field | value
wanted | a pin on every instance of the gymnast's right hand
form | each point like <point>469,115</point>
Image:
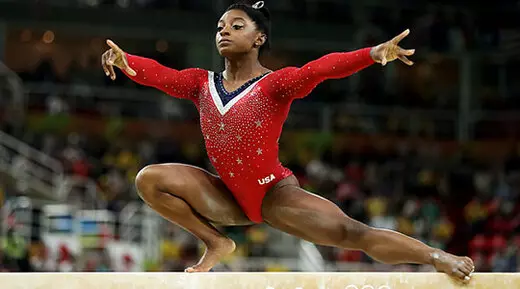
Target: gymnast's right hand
<point>115,56</point>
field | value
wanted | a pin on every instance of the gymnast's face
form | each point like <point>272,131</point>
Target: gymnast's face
<point>237,34</point>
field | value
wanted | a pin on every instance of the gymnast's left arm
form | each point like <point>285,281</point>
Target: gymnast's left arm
<point>292,82</point>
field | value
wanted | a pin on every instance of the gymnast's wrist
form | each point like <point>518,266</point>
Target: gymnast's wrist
<point>372,53</point>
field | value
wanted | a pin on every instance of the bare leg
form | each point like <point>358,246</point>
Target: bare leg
<point>293,210</point>
<point>193,199</point>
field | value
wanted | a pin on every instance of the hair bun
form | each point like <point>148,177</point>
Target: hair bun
<point>258,5</point>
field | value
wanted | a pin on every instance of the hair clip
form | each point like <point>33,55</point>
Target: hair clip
<point>258,5</point>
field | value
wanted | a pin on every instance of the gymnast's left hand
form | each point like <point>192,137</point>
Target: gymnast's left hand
<point>390,51</point>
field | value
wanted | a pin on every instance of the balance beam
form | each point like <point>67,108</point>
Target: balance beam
<point>252,281</point>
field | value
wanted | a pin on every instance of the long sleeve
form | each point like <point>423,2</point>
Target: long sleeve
<point>292,82</point>
<point>178,83</point>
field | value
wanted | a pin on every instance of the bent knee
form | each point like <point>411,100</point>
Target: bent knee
<point>146,176</point>
<point>153,179</point>
<point>146,180</point>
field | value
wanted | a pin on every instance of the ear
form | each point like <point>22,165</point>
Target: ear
<point>260,40</point>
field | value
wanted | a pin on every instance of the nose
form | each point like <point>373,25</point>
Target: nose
<point>224,31</point>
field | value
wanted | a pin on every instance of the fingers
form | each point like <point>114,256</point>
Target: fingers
<point>118,52</point>
<point>127,68</point>
<point>112,57</point>
<point>115,51</point>
<point>392,51</point>
<point>130,71</point>
<point>112,72</point>
<point>405,60</point>
<point>107,62</point>
<point>104,63</point>
<point>402,53</point>
<point>401,36</point>
<point>384,60</point>
<point>114,46</point>
<point>110,62</point>
<point>407,52</point>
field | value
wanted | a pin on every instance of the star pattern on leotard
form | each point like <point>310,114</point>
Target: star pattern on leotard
<point>242,138</point>
<point>241,132</point>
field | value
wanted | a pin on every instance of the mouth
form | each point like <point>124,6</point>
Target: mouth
<point>222,41</point>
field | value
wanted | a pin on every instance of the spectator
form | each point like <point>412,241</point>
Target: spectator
<point>15,253</point>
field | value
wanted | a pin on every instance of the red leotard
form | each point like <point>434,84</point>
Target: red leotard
<point>242,135</point>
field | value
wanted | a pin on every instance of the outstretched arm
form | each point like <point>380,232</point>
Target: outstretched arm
<point>179,83</point>
<point>293,82</point>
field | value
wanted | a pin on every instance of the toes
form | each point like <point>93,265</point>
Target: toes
<point>464,268</point>
<point>460,275</point>
<point>469,267</point>
<point>465,278</point>
<point>192,270</point>
<point>464,273</point>
<point>195,270</point>
<point>468,261</point>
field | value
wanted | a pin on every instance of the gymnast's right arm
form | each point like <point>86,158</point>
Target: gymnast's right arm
<point>178,83</point>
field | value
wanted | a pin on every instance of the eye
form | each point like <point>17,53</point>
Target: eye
<point>220,28</point>
<point>237,27</point>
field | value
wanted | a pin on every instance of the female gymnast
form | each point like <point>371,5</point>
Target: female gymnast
<point>242,111</point>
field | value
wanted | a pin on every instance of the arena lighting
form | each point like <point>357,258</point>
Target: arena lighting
<point>48,37</point>
<point>356,280</point>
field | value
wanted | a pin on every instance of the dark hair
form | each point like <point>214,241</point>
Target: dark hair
<point>261,16</point>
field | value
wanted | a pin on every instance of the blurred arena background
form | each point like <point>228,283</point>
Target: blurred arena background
<point>431,151</point>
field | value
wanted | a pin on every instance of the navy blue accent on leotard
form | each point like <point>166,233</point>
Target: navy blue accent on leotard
<point>226,96</point>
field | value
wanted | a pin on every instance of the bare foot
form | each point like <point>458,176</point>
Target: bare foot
<point>214,253</point>
<point>458,267</point>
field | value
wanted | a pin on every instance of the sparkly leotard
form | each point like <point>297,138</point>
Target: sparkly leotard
<point>241,129</point>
